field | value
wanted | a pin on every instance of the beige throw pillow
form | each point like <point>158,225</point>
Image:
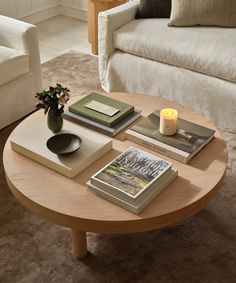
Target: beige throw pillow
<point>203,12</point>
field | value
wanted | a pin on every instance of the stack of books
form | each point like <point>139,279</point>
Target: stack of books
<point>189,139</point>
<point>133,179</point>
<point>102,113</point>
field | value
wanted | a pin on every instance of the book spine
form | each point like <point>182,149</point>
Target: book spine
<point>126,205</point>
<point>103,186</point>
<point>114,200</point>
<point>116,193</point>
<point>125,114</point>
<point>155,148</point>
<point>102,121</point>
<point>88,125</point>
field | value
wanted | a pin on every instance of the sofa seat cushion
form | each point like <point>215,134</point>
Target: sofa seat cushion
<point>207,50</point>
<point>13,63</point>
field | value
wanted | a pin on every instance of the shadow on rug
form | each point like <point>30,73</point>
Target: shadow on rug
<point>200,249</point>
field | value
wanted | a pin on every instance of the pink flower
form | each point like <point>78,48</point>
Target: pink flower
<point>64,97</point>
<point>53,98</point>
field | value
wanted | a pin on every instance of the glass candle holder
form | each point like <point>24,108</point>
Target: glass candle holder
<point>168,121</point>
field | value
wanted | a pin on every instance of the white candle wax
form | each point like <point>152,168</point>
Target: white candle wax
<point>168,121</point>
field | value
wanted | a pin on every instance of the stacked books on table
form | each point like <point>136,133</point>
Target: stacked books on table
<point>189,139</point>
<point>102,113</point>
<point>133,179</point>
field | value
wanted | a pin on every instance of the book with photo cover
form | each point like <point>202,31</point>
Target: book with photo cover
<point>102,109</point>
<point>110,131</point>
<point>139,205</point>
<point>189,139</point>
<point>130,175</point>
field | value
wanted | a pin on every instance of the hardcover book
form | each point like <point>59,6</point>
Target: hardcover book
<point>110,131</point>
<point>102,109</point>
<point>131,174</point>
<point>139,205</point>
<point>31,142</point>
<point>189,139</point>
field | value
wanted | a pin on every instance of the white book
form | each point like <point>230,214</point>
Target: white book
<point>131,174</point>
<point>133,200</point>
<point>143,202</point>
<point>31,142</point>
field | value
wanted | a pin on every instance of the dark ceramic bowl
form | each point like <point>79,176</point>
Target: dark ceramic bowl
<point>64,144</point>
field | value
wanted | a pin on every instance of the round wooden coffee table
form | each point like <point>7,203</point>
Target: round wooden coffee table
<point>67,202</point>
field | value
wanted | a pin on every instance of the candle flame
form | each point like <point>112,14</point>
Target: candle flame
<point>169,113</point>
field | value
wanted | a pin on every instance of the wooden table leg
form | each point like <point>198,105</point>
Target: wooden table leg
<point>79,243</point>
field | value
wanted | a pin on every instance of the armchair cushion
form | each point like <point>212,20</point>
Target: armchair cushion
<point>13,64</point>
<point>154,9</point>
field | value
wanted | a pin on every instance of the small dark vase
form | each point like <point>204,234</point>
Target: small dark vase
<point>55,120</point>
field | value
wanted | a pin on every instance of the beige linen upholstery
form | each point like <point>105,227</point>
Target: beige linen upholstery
<point>17,91</point>
<point>13,63</point>
<point>203,12</point>
<point>109,21</point>
<point>200,49</point>
<point>213,97</point>
<point>161,65</point>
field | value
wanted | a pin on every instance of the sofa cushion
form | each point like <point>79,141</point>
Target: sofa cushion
<point>202,12</point>
<point>153,9</point>
<point>208,50</point>
<point>13,63</point>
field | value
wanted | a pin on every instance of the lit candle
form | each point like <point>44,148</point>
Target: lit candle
<point>168,121</point>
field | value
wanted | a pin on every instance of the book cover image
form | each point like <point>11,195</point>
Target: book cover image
<point>133,171</point>
<point>188,137</point>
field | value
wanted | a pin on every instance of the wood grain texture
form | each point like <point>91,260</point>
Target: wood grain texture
<point>79,243</point>
<point>67,201</point>
<point>94,8</point>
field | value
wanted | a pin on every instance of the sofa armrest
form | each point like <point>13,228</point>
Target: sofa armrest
<point>108,22</point>
<point>22,36</point>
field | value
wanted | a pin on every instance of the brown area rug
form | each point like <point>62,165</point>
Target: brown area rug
<point>200,249</point>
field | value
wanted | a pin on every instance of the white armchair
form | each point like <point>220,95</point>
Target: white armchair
<point>20,69</point>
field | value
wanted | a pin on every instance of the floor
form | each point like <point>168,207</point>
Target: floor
<point>60,34</point>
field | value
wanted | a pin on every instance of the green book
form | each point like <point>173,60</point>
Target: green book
<point>102,109</point>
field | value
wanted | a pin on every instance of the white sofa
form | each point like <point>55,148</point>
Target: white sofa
<point>20,69</point>
<point>195,66</point>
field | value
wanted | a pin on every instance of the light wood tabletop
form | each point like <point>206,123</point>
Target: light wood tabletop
<point>67,202</point>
